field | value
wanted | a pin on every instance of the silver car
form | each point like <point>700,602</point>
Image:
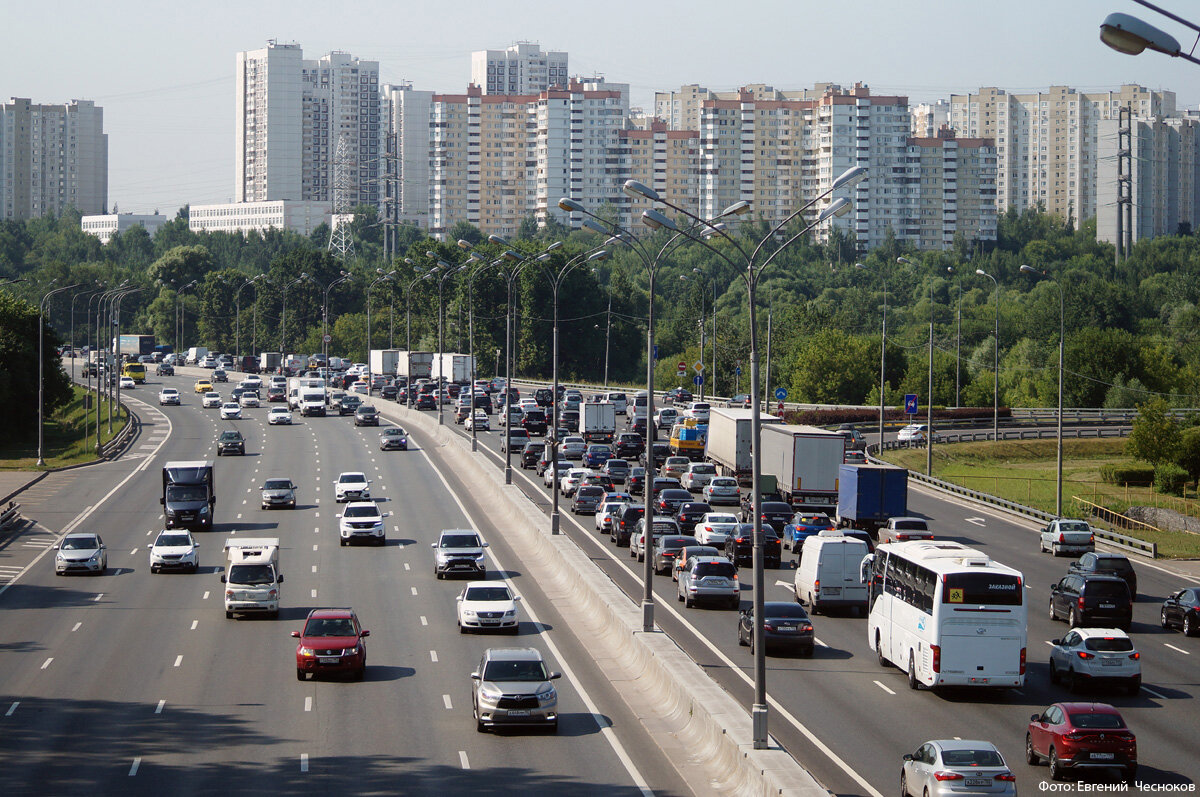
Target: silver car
<point>81,553</point>
<point>953,768</point>
<point>573,447</point>
<point>278,492</point>
<point>1096,656</point>
<point>512,687</point>
<point>712,578</point>
<point>722,490</point>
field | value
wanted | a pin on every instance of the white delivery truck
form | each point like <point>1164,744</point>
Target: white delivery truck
<point>805,462</point>
<point>195,355</point>
<point>384,361</point>
<point>312,401</point>
<point>728,443</point>
<point>829,573</point>
<point>599,421</point>
<point>252,576</point>
<point>454,368</point>
<point>415,365</point>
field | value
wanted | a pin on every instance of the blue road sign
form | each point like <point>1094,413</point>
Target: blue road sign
<point>781,393</point>
<point>737,371</point>
<point>698,380</point>
<point>910,403</point>
<point>655,351</point>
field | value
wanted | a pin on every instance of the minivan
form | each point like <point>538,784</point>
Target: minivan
<point>828,573</point>
<point>1092,601</point>
<point>619,402</point>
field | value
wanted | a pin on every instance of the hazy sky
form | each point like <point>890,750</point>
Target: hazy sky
<point>164,72</point>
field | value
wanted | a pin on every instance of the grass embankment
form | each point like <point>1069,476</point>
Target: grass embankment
<point>64,442</point>
<point>1024,471</point>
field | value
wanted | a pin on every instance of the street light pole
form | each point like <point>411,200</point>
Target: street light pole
<point>382,277</point>
<point>283,318</point>
<point>116,331</point>
<point>409,382</point>
<point>343,276</point>
<point>180,316</point>
<point>995,358</point>
<point>41,461</point>
<point>1062,315</point>
<point>72,333</point>
<point>929,402</point>
<point>237,309</point>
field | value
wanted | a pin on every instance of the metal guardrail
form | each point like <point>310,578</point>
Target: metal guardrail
<point>118,441</point>
<point>10,515</point>
<point>1006,434</point>
<point>1117,519</point>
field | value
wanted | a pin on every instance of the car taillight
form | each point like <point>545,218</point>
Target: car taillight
<point>1061,538</point>
<point>1022,661</point>
<point>1006,776</point>
<point>768,627</point>
<point>937,657</point>
<point>1079,603</point>
<point>1083,654</point>
<point>1092,539</point>
<point>817,585</point>
<point>803,626</point>
<point>1135,656</point>
<point>1074,736</point>
<point>740,540</point>
<point>944,775</point>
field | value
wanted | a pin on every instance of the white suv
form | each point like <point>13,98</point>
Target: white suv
<point>487,604</point>
<point>174,549</point>
<point>352,485</point>
<point>362,520</point>
<point>1096,656</point>
<point>698,475</point>
<point>168,395</point>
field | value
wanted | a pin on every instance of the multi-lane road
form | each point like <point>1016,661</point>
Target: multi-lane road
<point>136,683</point>
<point>849,720</point>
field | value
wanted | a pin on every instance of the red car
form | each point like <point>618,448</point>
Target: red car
<point>1072,737</point>
<point>331,642</point>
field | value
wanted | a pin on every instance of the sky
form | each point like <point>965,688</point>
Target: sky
<point>164,72</point>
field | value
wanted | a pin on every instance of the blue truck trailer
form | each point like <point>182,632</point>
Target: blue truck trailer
<point>870,494</point>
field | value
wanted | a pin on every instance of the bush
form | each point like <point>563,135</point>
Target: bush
<point>1126,473</point>
<point>1169,478</point>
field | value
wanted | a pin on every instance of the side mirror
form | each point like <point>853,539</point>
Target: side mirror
<point>908,757</point>
<point>338,516</point>
<point>162,501</point>
<point>458,597</point>
<point>433,545</point>
<point>1035,718</point>
<point>222,579</point>
<point>281,578</point>
<point>516,597</point>
<point>296,634</point>
<point>474,676</point>
<point>151,545</point>
<point>485,545</point>
<point>554,676</point>
<point>365,633</point>
<point>1055,641</point>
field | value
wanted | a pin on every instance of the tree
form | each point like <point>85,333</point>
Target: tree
<point>181,265</point>
<point>1154,437</point>
<point>833,368</point>
<point>1188,454</point>
<point>19,369</point>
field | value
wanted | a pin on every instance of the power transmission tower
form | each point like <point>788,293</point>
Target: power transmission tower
<point>341,244</point>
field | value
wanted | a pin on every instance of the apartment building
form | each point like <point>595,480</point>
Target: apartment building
<point>666,160</point>
<point>291,113</point>
<point>52,157</point>
<point>680,110</point>
<point>407,154</point>
<point>929,117</point>
<point>519,70</point>
<point>300,216</point>
<point>951,190</point>
<point>107,225</point>
<point>1164,177</point>
<point>1048,143</point>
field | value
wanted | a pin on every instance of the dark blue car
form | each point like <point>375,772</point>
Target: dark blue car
<point>596,456</point>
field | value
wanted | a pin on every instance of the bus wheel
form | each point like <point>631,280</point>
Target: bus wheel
<point>883,662</point>
<point>913,683</point>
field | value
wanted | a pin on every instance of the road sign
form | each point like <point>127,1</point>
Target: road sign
<point>910,403</point>
<point>328,338</point>
<point>698,380</point>
<point>698,367</point>
<point>780,409</point>
<point>656,351</point>
<point>781,393</point>
<point>682,365</point>
<point>737,371</point>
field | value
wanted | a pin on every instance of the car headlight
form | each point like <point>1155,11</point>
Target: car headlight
<point>546,693</point>
<point>94,556</point>
<point>511,613</point>
<point>490,693</point>
<point>350,651</point>
<point>306,652</point>
<point>470,613</point>
<point>204,510</point>
<point>479,557</point>
<point>60,557</point>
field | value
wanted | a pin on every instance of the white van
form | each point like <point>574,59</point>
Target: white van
<point>252,577</point>
<point>619,401</point>
<point>639,407</point>
<point>828,575</point>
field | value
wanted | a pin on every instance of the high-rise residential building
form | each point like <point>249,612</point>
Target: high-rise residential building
<point>667,161</point>
<point>407,153</point>
<point>105,226</point>
<point>1047,143</point>
<point>290,115</point>
<point>52,157</point>
<point>929,117</point>
<point>1164,174</point>
<point>951,190</point>
<point>521,69</point>
<point>681,109</point>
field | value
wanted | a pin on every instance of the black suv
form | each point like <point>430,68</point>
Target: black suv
<point>231,442</point>
<point>638,426</point>
<point>739,546</point>
<point>531,453</point>
<point>623,525</point>
<point>1092,601</point>
<point>777,513</point>
<point>426,401</point>
<point>570,420</point>
<point>162,369</point>
<point>365,415</point>
<point>349,404</point>
<point>544,396</point>
<point>629,445</point>
<point>534,422</point>
<point>636,483</point>
<point>1106,564</point>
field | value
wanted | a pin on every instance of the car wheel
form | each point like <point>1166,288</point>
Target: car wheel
<point>440,575</point>
<point>1056,769</point>
<point>300,674</point>
<point>1162,618</point>
<point>153,570</point>
<point>461,628</point>
<point>342,542</point>
<point>1073,618</point>
<point>679,596</point>
<point>688,602</point>
<point>1031,756</point>
<point>228,615</point>
<point>1189,626</point>
<point>1053,616</point>
<point>1135,685</point>
<point>1053,672</point>
<point>1074,681</point>
<point>903,783</point>
<point>883,662</point>
<point>812,604</point>
<point>913,683</point>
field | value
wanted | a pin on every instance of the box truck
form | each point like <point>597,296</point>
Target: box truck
<point>252,576</point>
<point>454,368</point>
<point>599,421</point>
<point>728,444</point>
<point>384,361</point>
<point>805,461</point>
<point>133,345</point>
<point>868,495</point>
<point>415,365</point>
<point>189,495</point>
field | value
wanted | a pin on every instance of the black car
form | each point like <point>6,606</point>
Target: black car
<point>534,422</point>
<point>426,401</point>
<point>1092,601</point>
<point>366,415</point>
<point>678,395</point>
<point>666,548</point>
<point>660,450</point>
<point>570,420</point>
<point>531,453</point>
<point>664,483</point>
<point>638,426</point>
<point>777,513</point>
<point>690,513</point>
<point>636,483</point>
<point>163,369</point>
<point>231,442</point>
<point>1182,609</point>
<point>1106,564</point>
<point>670,500</point>
<point>544,396</point>
<point>349,404</point>
<point>587,499</point>
<point>739,546</point>
<point>748,503</point>
<point>785,626</point>
<point>623,526</point>
<point>389,391</point>
<point>629,445</point>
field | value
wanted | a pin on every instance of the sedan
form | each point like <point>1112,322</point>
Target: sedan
<point>81,553</point>
<point>278,492</point>
<point>670,500</point>
<point>1182,610</point>
<point>690,513</point>
<point>362,521</point>
<point>331,642</point>
<point>174,549</point>
<point>675,467</point>
<point>1096,656</point>
<point>552,477</point>
<point>211,399</point>
<point>486,605</point>
<point>127,383</point>
<point>573,447</point>
<point>366,415</point>
<point>230,411</point>
<point>775,513</point>
<point>739,546</point>
<point>278,416</point>
<point>393,438</point>
<point>275,394</point>
<point>714,527</point>
<point>168,395</point>
<point>248,399</point>
<point>785,626</point>
<point>722,490</point>
<point>1075,736</point>
<point>666,548</point>
<point>947,767</point>
<point>596,455</point>
<point>478,422</point>
<point>571,481</point>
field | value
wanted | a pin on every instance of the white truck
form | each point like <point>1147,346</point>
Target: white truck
<point>195,355</point>
<point>269,362</point>
<point>297,385</point>
<point>312,401</point>
<point>805,462</point>
<point>454,368</point>
<point>252,577</point>
<point>384,361</point>
<point>728,443</point>
<point>599,422</point>
<point>415,365</point>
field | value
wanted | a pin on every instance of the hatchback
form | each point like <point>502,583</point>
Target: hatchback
<point>803,526</point>
<point>174,549</point>
<point>722,490</point>
<point>81,553</point>
<point>947,767</point>
<point>1076,736</point>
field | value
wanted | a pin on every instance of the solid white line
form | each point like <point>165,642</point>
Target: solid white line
<point>137,762</point>
<point>158,709</point>
<point>76,627</point>
<point>462,759</point>
<point>12,709</point>
<point>194,624</point>
<point>433,656</point>
<point>304,762</point>
<point>179,660</point>
<point>884,688</point>
<point>1150,691</point>
<point>46,663</point>
<point>446,700</point>
<point>424,621</point>
<point>308,703</point>
<point>1179,650</point>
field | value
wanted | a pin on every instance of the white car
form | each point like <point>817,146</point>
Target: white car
<point>168,395</point>
<point>252,382</point>
<point>715,527</point>
<point>569,483</point>
<point>528,404</point>
<point>913,433</point>
<point>279,415</point>
<point>1097,656</point>
<point>352,485</point>
<point>248,400</point>
<point>230,411</point>
<point>211,400</point>
<point>609,505</point>
<point>722,490</point>
<point>362,520</point>
<point>550,478</point>
<point>698,475</point>
<point>478,422</point>
<point>174,549</point>
<point>699,410</point>
<point>359,388</point>
<point>487,604</point>
<point>127,383</point>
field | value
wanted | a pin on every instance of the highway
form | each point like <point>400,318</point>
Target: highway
<point>850,721</point>
<point>132,683</point>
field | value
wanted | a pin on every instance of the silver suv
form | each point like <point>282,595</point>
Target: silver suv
<point>512,687</point>
<point>458,551</point>
<point>709,578</point>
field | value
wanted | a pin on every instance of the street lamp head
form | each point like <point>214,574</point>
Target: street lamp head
<point>696,271</point>
<point>554,246</point>
<point>838,207</point>
<point>601,255</point>
<point>1130,35</point>
<point>543,257</point>
<point>905,261</point>
<point>409,261</point>
<point>949,269</point>
<point>1031,271</point>
<point>496,239</point>
<point>639,190</point>
<point>431,255</point>
<point>570,205</point>
<point>512,256</point>
<point>852,176</point>
<point>655,220</point>
<point>594,225</point>
<point>981,272</point>
<point>736,209</point>
<point>860,265</point>
<point>463,244</point>
<point>444,264</point>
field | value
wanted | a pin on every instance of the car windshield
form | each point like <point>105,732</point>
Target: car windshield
<point>529,670</point>
<point>229,405</point>
<point>395,431</point>
<point>1109,644</point>
<point>80,544</point>
<point>277,484</point>
<point>972,758</point>
<point>361,511</point>
<point>488,594</point>
<point>231,436</point>
<point>251,574</point>
<point>329,626</point>
<point>367,409</point>
<point>169,391</point>
<point>1099,721</point>
<point>460,541</point>
<point>1113,590</point>
<point>351,478</point>
<point>173,540</point>
<point>186,492</point>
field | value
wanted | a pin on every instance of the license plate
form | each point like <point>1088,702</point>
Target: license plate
<point>518,713</point>
<point>976,782</point>
<point>328,660</point>
<point>1102,756</point>
<point>1110,662</point>
<point>1108,606</point>
<point>786,629</point>
<point>831,590</point>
